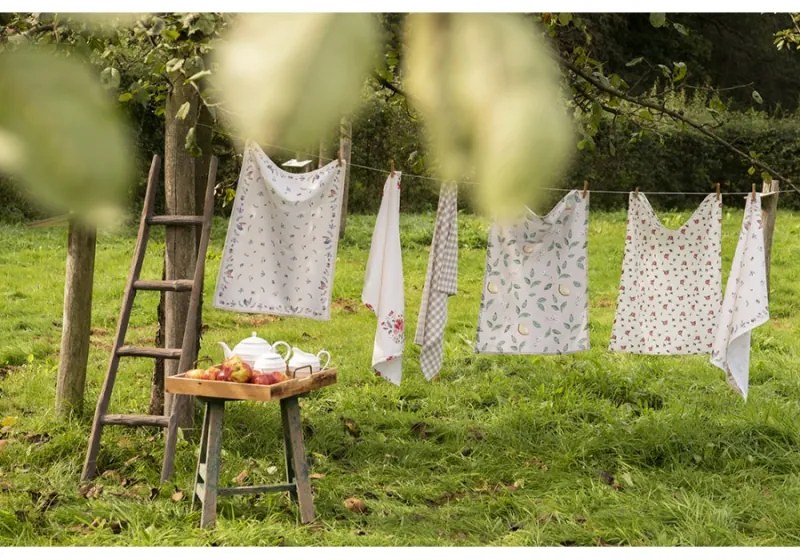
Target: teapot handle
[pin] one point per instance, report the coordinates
(327, 361)
(288, 349)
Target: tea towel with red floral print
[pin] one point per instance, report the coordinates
(280, 250)
(441, 282)
(383, 285)
(746, 304)
(670, 290)
(535, 298)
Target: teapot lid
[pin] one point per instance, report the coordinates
(252, 345)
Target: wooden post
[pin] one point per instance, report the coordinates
(345, 145)
(180, 246)
(77, 319)
(769, 212)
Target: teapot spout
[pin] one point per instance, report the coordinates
(227, 351)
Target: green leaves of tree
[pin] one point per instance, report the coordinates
(69, 150)
(658, 20)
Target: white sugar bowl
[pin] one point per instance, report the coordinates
(303, 364)
(270, 362)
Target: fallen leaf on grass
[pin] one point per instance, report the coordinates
(356, 505)
(3, 443)
(272, 469)
(516, 485)
(351, 427)
(177, 496)
(608, 478)
(421, 429)
(89, 491)
(37, 438)
(316, 476)
(536, 462)
(241, 477)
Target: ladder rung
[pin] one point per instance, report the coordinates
(136, 420)
(164, 285)
(175, 220)
(163, 353)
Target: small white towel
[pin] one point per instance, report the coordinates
(383, 285)
(746, 303)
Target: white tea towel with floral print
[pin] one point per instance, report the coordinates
(280, 250)
(746, 303)
(534, 290)
(441, 282)
(671, 285)
(383, 285)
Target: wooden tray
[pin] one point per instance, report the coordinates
(247, 391)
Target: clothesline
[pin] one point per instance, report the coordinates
(441, 180)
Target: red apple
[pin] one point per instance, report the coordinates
(269, 378)
(223, 374)
(211, 372)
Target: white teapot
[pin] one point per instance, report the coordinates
(251, 348)
(303, 364)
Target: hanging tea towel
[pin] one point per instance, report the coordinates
(383, 285)
(746, 301)
(671, 285)
(440, 282)
(535, 297)
(280, 250)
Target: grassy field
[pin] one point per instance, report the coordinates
(589, 449)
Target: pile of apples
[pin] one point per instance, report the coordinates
(236, 370)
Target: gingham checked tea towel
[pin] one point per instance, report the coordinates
(440, 282)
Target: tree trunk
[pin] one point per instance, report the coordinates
(180, 250)
(345, 145)
(77, 320)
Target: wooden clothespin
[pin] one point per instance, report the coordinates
(719, 195)
(637, 190)
(754, 191)
(585, 189)
(391, 167)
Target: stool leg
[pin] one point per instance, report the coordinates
(291, 414)
(201, 458)
(287, 448)
(216, 411)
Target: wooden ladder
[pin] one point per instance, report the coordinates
(187, 354)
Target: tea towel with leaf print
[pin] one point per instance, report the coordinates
(671, 285)
(282, 239)
(383, 285)
(746, 304)
(535, 298)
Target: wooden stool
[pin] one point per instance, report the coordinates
(214, 394)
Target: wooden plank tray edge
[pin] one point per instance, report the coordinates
(229, 390)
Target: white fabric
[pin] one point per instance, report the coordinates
(280, 250)
(383, 285)
(670, 290)
(746, 303)
(535, 297)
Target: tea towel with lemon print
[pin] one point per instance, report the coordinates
(383, 285)
(746, 304)
(535, 298)
(670, 290)
(280, 250)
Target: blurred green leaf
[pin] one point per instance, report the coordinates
(680, 28)
(74, 151)
(183, 111)
(678, 71)
(634, 61)
(658, 20)
(564, 18)
(757, 97)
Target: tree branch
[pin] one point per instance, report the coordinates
(572, 67)
(387, 84)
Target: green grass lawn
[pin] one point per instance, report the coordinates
(591, 448)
